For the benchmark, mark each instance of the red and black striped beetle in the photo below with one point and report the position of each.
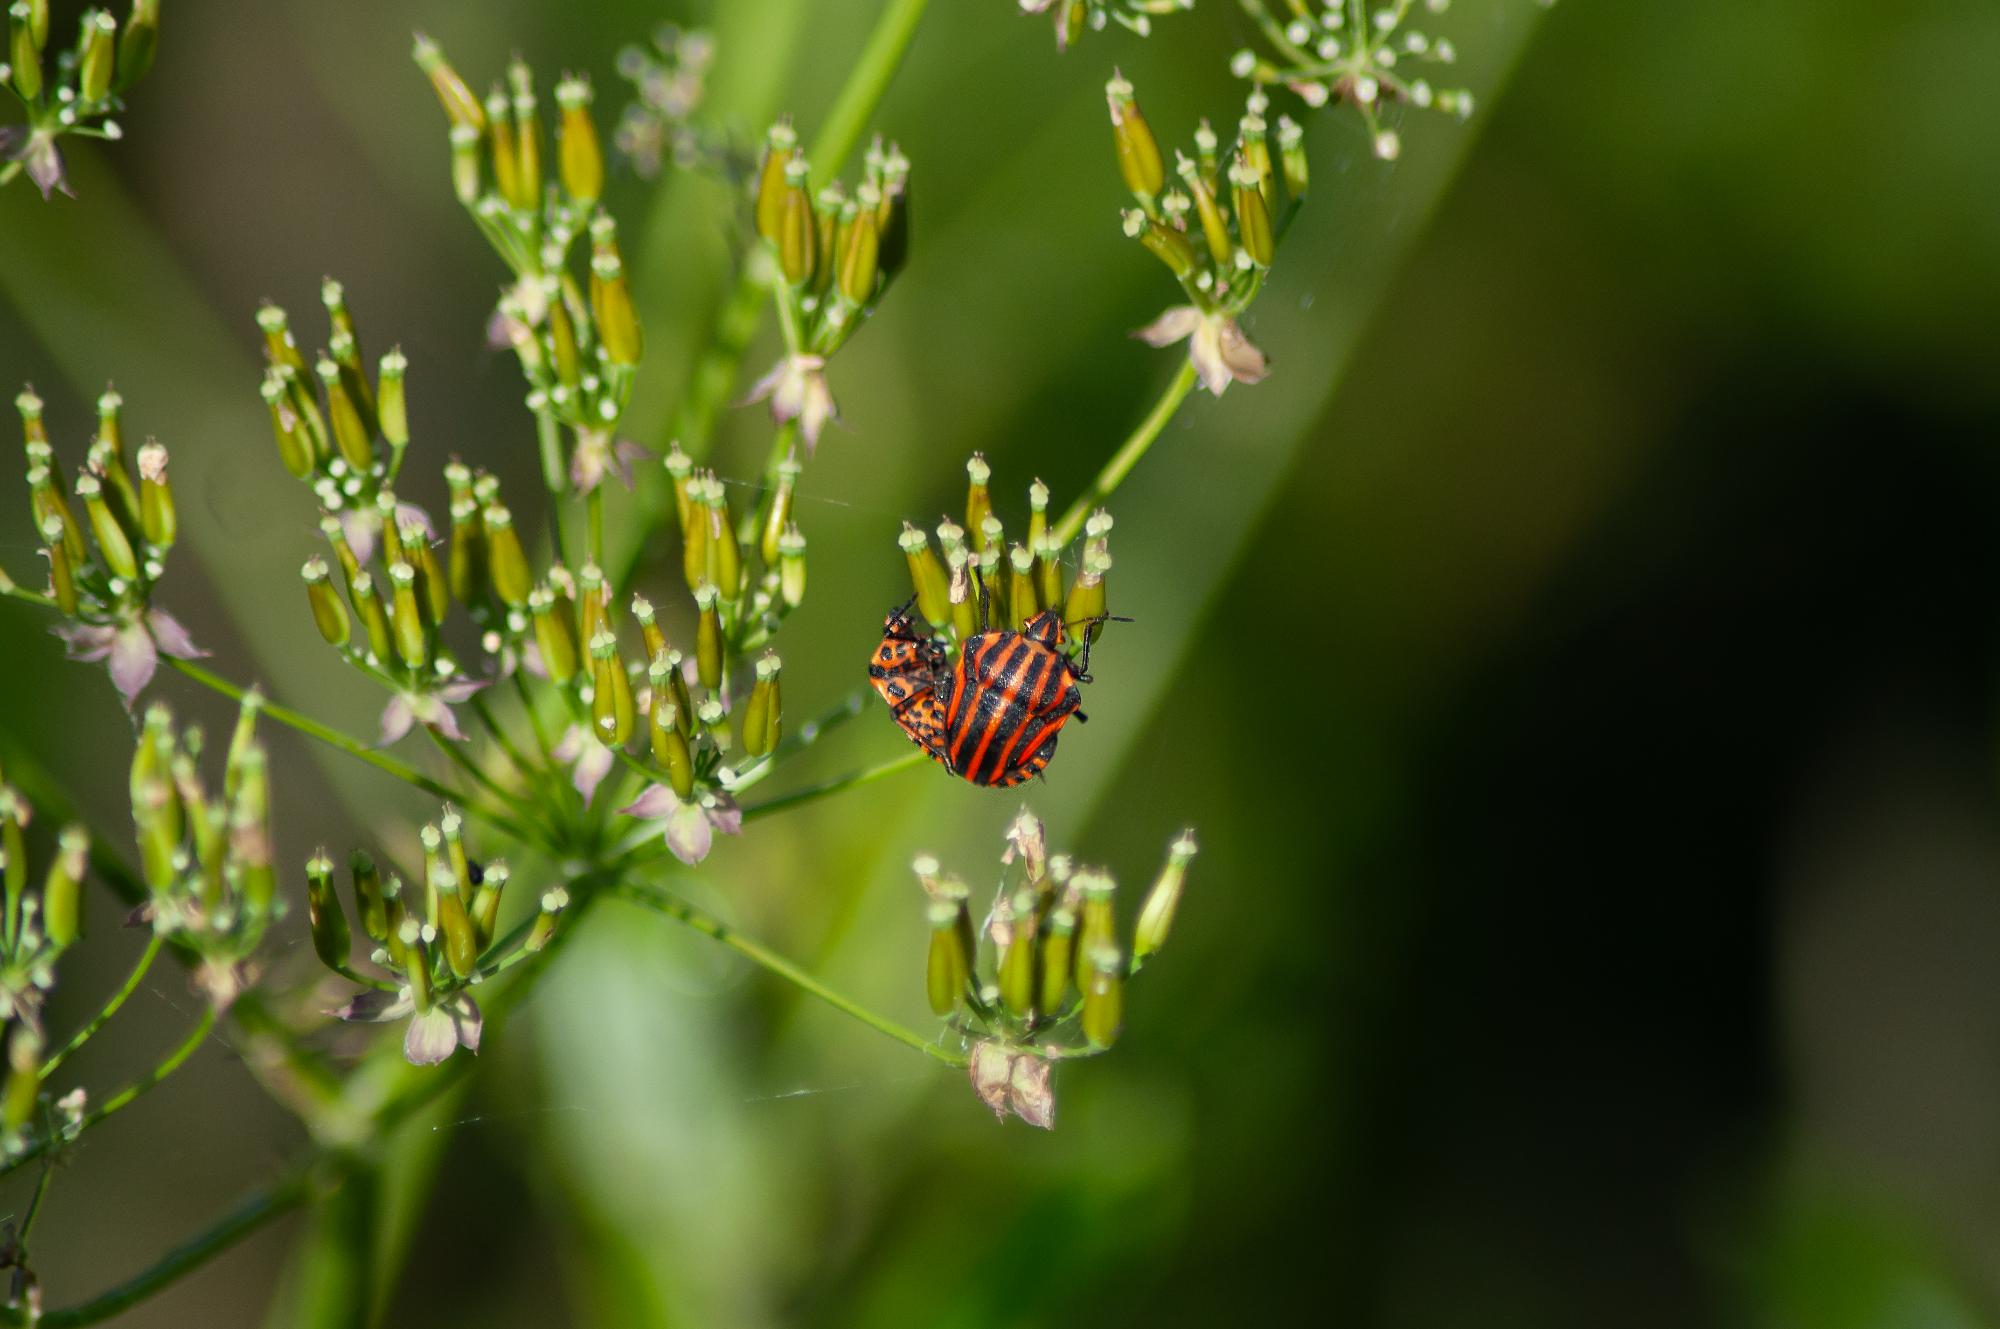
(993, 716)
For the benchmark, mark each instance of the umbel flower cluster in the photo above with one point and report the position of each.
(75, 90)
(1071, 17)
(663, 124)
(1042, 977)
(106, 537)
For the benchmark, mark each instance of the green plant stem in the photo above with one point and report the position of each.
(763, 957)
(34, 1211)
(594, 515)
(353, 747)
(111, 1007)
(866, 85)
(534, 720)
(522, 766)
(456, 753)
(812, 793)
(260, 1207)
(1128, 454)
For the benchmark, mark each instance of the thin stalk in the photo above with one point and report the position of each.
(812, 793)
(594, 514)
(866, 85)
(527, 770)
(534, 720)
(1128, 454)
(480, 777)
(332, 737)
(769, 960)
(33, 1212)
(111, 1007)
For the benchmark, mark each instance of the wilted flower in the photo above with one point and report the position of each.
(431, 706)
(589, 761)
(597, 454)
(131, 650)
(1216, 344)
(797, 388)
(689, 825)
(1009, 1079)
(453, 1022)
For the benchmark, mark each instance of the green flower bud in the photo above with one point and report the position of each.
(330, 937)
(1292, 156)
(948, 968)
(792, 567)
(761, 724)
(457, 99)
(506, 561)
(708, 639)
(927, 576)
(371, 906)
(1139, 159)
(374, 619)
(157, 518)
(329, 614)
(116, 549)
(580, 159)
(139, 41)
(1104, 997)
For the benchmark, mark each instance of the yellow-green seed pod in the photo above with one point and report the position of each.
(350, 433)
(416, 963)
(544, 927)
(728, 570)
(1038, 514)
(683, 700)
(412, 642)
(552, 636)
(1017, 960)
(1156, 918)
(697, 557)
(964, 606)
(486, 898)
(391, 410)
(669, 745)
(295, 448)
(109, 431)
(457, 99)
(618, 328)
(62, 889)
(24, 54)
(927, 576)
(371, 907)
(779, 514)
(1086, 593)
(157, 518)
(1253, 215)
(466, 175)
(433, 842)
(1292, 157)
(650, 637)
(329, 614)
(101, 51)
(1048, 571)
(527, 134)
(433, 587)
(978, 501)
(833, 217)
(24, 1080)
(611, 713)
(330, 937)
(465, 568)
(860, 251)
(139, 41)
(395, 913)
(1098, 925)
(506, 561)
(506, 161)
(1104, 997)
(1056, 962)
(112, 544)
(51, 507)
(947, 969)
(580, 158)
(563, 345)
(102, 462)
(454, 924)
(374, 619)
(1170, 246)
(62, 573)
(708, 638)
(1214, 227)
(592, 603)
(249, 842)
(798, 228)
(780, 146)
(760, 717)
(680, 469)
(1022, 603)
(279, 347)
(1139, 159)
(792, 567)
(344, 561)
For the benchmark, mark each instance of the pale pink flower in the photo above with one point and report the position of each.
(598, 454)
(589, 760)
(1217, 346)
(431, 707)
(797, 388)
(450, 1024)
(130, 650)
(689, 826)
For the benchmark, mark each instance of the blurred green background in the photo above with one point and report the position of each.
(1577, 659)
